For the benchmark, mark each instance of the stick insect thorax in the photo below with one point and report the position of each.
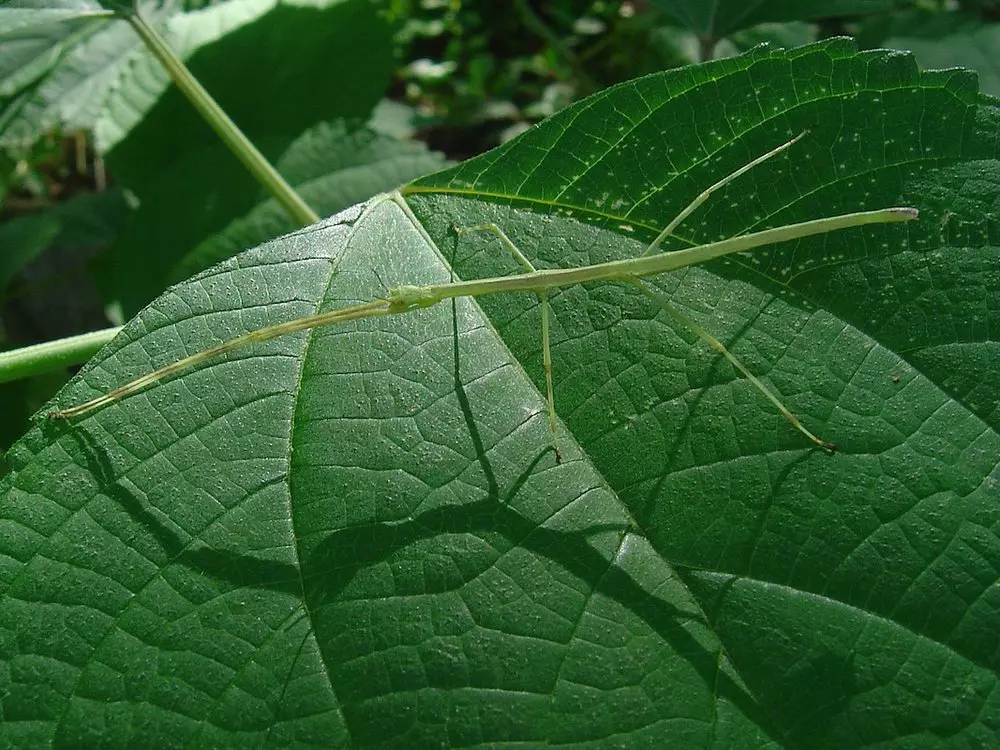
(406, 298)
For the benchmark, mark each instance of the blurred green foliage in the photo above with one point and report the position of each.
(478, 72)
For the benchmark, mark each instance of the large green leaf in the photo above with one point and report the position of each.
(360, 535)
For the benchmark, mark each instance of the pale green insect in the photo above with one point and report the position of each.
(405, 298)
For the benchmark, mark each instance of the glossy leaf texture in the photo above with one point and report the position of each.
(360, 535)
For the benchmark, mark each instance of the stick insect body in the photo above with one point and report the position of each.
(406, 298)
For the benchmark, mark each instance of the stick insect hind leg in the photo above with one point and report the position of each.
(662, 303)
(658, 299)
(543, 297)
(713, 342)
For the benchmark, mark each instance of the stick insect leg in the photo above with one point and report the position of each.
(543, 297)
(703, 196)
(713, 342)
(704, 335)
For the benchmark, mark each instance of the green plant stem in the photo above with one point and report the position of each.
(231, 135)
(52, 355)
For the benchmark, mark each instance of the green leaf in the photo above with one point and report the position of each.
(77, 226)
(331, 166)
(75, 71)
(332, 169)
(272, 96)
(950, 40)
(359, 535)
(62, 62)
(34, 37)
(23, 239)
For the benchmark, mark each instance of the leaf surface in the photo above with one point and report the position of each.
(360, 534)
(23, 240)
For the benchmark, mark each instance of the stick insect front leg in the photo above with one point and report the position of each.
(543, 297)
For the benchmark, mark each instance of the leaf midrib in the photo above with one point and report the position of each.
(355, 226)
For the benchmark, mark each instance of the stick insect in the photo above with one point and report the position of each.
(632, 271)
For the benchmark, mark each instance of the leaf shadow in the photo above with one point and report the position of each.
(224, 566)
(345, 553)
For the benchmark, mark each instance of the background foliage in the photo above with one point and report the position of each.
(378, 548)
